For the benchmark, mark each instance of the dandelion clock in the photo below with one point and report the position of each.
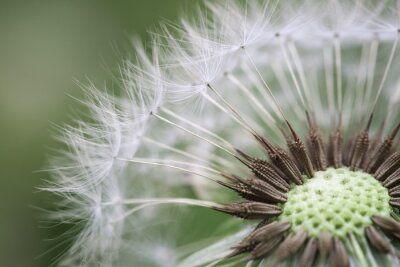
(262, 133)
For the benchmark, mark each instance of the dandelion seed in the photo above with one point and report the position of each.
(298, 115)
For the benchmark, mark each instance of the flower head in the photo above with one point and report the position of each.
(298, 116)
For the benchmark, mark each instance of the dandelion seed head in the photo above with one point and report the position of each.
(282, 114)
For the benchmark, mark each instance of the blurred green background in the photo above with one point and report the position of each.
(44, 47)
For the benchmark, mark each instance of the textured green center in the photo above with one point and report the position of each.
(337, 201)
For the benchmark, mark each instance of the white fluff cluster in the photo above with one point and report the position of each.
(86, 174)
(229, 71)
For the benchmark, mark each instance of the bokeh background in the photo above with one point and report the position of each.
(45, 46)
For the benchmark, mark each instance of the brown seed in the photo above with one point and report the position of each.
(266, 172)
(261, 233)
(289, 246)
(265, 232)
(379, 156)
(300, 155)
(395, 193)
(382, 151)
(360, 148)
(395, 201)
(265, 247)
(361, 144)
(348, 150)
(236, 184)
(393, 189)
(254, 189)
(338, 254)
(324, 243)
(248, 160)
(388, 225)
(391, 164)
(335, 148)
(308, 257)
(263, 223)
(249, 210)
(281, 159)
(298, 150)
(265, 191)
(376, 239)
(317, 149)
(392, 180)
